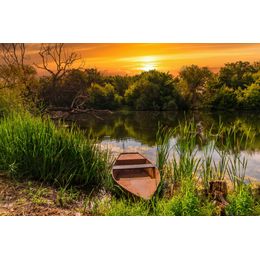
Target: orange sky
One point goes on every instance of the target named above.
(131, 58)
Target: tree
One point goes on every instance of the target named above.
(93, 76)
(13, 69)
(251, 97)
(196, 79)
(56, 61)
(237, 74)
(17, 77)
(102, 97)
(153, 90)
(121, 83)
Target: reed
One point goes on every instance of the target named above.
(236, 165)
(207, 171)
(185, 163)
(163, 137)
(34, 148)
(237, 170)
(163, 141)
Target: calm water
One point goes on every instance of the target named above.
(136, 131)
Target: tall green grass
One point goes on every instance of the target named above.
(226, 143)
(163, 139)
(34, 148)
(185, 162)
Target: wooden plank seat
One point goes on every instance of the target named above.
(136, 174)
(131, 158)
(133, 166)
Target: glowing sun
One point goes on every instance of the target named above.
(148, 66)
(148, 63)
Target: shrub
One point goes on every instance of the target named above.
(241, 202)
(185, 203)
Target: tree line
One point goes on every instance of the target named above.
(66, 83)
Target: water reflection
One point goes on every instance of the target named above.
(136, 131)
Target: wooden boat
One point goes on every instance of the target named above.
(136, 174)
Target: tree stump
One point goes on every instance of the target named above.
(218, 191)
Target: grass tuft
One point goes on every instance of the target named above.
(31, 147)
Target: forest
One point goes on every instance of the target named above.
(62, 84)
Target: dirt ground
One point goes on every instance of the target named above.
(34, 199)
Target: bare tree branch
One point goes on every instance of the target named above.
(57, 55)
(13, 54)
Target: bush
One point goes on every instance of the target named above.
(185, 203)
(37, 149)
(241, 202)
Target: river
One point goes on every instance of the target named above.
(136, 131)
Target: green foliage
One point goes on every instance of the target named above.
(121, 83)
(13, 75)
(236, 86)
(185, 203)
(92, 75)
(236, 75)
(74, 82)
(185, 163)
(153, 90)
(241, 202)
(224, 98)
(34, 148)
(208, 208)
(256, 210)
(250, 98)
(103, 96)
(195, 78)
(163, 137)
(10, 101)
(122, 207)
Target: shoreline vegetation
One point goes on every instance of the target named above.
(41, 159)
(47, 168)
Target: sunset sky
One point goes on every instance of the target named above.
(131, 58)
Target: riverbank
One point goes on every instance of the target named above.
(32, 198)
(52, 170)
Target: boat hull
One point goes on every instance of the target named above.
(136, 174)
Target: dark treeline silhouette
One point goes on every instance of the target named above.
(235, 86)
